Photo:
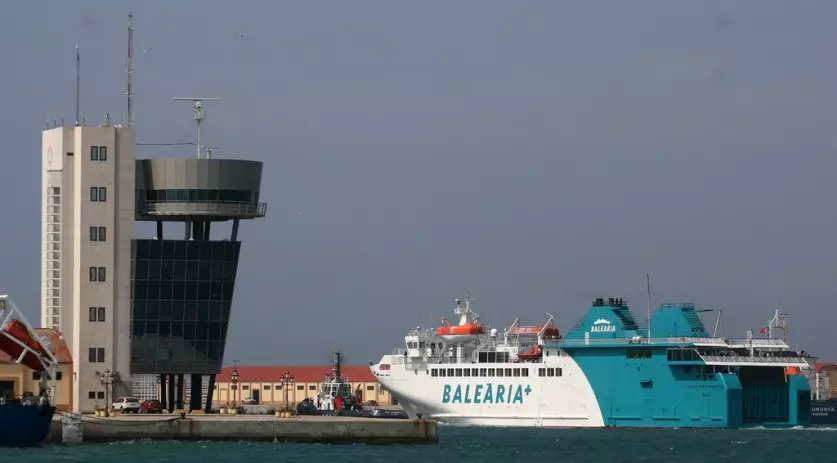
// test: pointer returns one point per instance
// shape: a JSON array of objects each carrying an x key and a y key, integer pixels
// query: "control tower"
[{"x": 182, "y": 281}]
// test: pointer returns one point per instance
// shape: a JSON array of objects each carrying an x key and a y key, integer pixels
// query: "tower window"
[
  {"x": 98, "y": 153},
  {"x": 98, "y": 194}
]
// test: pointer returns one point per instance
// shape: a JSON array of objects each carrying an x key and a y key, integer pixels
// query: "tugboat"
[
  {"x": 335, "y": 396},
  {"x": 25, "y": 422}
]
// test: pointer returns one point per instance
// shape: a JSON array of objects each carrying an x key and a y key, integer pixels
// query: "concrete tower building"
[
  {"x": 88, "y": 198},
  {"x": 130, "y": 306},
  {"x": 140, "y": 306}
]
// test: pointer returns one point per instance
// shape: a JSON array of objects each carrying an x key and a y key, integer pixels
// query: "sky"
[{"x": 537, "y": 154}]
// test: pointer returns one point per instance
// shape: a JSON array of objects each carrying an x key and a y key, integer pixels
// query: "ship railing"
[
  {"x": 745, "y": 359},
  {"x": 704, "y": 342}
]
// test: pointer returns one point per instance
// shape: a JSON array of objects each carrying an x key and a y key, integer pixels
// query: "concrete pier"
[{"x": 313, "y": 429}]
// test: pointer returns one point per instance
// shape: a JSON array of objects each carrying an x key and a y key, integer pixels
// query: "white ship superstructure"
[{"x": 472, "y": 374}]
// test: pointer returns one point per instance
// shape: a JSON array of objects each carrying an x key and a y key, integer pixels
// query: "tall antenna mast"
[
  {"x": 78, "y": 86},
  {"x": 130, "y": 72},
  {"x": 648, "y": 284},
  {"x": 199, "y": 116}
]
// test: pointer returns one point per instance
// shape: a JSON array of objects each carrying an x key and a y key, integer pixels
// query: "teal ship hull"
[{"x": 682, "y": 377}]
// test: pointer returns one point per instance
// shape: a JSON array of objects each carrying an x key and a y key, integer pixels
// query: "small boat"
[
  {"x": 25, "y": 422},
  {"x": 336, "y": 398}
]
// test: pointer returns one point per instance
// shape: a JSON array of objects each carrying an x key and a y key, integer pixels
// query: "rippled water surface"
[{"x": 500, "y": 445}]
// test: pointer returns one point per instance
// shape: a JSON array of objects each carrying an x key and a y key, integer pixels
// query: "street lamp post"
[
  {"x": 235, "y": 386},
  {"x": 106, "y": 378},
  {"x": 286, "y": 380}
]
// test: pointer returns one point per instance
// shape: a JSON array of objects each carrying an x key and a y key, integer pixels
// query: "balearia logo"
[
  {"x": 486, "y": 393},
  {"x": 603, "y": 326}
]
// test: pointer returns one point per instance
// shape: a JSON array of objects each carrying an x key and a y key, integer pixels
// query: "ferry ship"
[{"x": 606, "y": 371}]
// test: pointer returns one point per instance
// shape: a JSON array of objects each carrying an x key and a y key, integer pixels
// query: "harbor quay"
[{"x": 257, "y": 428}]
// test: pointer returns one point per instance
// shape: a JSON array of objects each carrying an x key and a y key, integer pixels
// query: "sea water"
[{"x": 483, "y": 445}]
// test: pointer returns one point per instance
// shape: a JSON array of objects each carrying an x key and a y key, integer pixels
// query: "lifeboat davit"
[
  {"x": 459, "y": 333},
  {"x": 20, "y": 332}
]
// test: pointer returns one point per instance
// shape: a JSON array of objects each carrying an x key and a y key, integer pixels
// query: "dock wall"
[{"x": 267, "y": 429}]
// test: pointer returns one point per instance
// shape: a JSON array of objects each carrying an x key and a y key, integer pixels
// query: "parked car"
[
  {"x": 250, "y": 401},
  {"x": 151, "y": 406},
  {"x": 127, "y": 405}
]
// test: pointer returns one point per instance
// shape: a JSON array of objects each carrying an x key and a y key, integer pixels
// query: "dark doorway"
[
  {"x": 7, "y": 389},
  {"x": 256, "y": 397}
]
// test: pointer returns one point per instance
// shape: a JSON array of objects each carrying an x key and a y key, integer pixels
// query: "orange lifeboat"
[
  {"x": 17, "y": 330},
  {"x": 459, "y": 333},
  {"x": 533, "y": 354},
  {"x": 548, "y": 332}
]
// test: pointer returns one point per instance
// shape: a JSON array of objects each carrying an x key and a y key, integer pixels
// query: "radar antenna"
[{"x": 199, "y": 116}]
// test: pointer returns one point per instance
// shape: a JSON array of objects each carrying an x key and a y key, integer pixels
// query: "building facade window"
[
  {"x": 96, "y": 354},
  {"x": 98, "y": 234},
  {"x": 52, "y": 313},
  {"x": 98, "y": 194},
  {"x": 98, "y": 274},
  {"x": 96, "y": 314},
  {"x": 98, "y": 153}
]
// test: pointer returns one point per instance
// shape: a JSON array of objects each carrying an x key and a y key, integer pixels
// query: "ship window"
[
  {"x": 474, "y": 372},
  {"x": 450, "y": 371},
  {"x": 639, "y": 353},
  {"x": 516, "y": 372},
  {"x": 550, "y": 372},
  {"x": 559, "y": 372},
  {"x": 508, "y": 372},
  {"x": 434, "y": 373},
  {"x": 541, "y": 371},
  {"x": 525, "y": 372},
  {"x": 459, "y": 372},
  {"x": 500, "y": 372},
  {"x": 483, "y": 372},
  {"x": 442, "y": 372},
  {"x": 490, "y": 372},
  {"x": 467, "y": 372}
]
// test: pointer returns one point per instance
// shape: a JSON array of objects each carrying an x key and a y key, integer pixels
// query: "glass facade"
[
  {"x": 181, "y": 294},
  {"x": 181, "y": 195}
]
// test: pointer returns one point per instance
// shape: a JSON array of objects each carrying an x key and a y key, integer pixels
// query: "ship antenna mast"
[
  {"x": 130, "y": 71},
  {"x": 199, "y": 116},
  {"x": 648, "y": 285},
  {"x": 78, "y": 86}
]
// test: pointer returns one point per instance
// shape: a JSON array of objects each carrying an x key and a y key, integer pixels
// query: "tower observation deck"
[{"x": 183, "y": 281}]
